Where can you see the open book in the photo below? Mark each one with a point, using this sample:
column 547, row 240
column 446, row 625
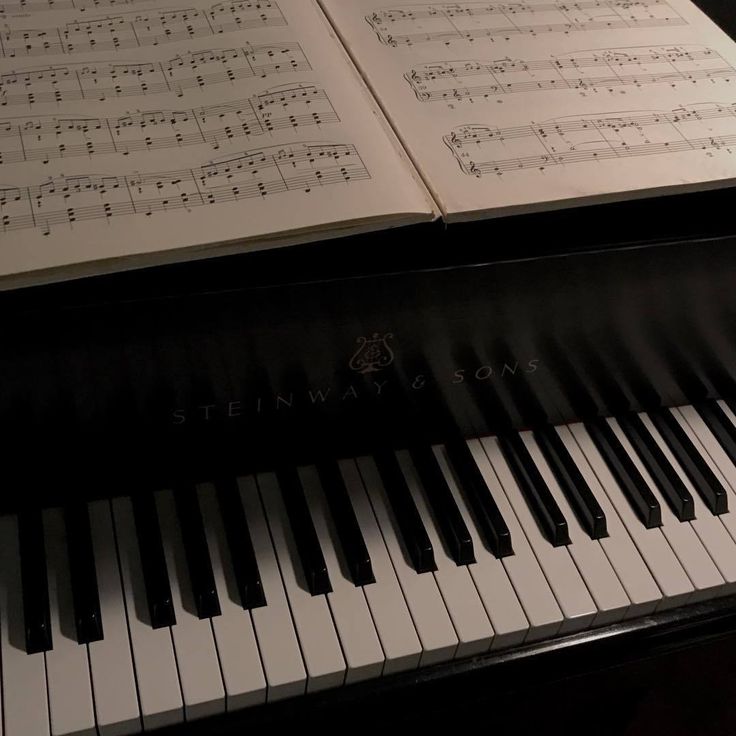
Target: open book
column 137, row 132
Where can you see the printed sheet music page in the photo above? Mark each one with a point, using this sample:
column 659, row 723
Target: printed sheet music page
column 519, row 105
column 141, row 131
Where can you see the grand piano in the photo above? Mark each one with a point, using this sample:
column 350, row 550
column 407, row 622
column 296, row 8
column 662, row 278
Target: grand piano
column 448, row 475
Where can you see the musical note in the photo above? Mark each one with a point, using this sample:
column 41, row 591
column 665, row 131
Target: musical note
column 449, row 23
column 66, row 200
column 46, row 138
column 134, row 30
column 610, row 69
column 110, row 80
column 481, row 150
column 38, row 6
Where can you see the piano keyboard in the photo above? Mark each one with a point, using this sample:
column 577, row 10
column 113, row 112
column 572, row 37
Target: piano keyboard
column 127, row 615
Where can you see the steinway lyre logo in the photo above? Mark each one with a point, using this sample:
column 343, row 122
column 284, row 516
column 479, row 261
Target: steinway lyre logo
column 373, row 354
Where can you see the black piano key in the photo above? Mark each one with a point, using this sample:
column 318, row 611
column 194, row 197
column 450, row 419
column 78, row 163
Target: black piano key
column 196, row 551
column 305, row 537
column 411, row 528
column 153, row 561
column 633, row 486
column 83, row 574
column 720, row 425
column 664, row 475
column 696, row 468
column 535, row 491
column 34, row 582
column 346, row 524
column 491, row 524
column 446, row 513
column 242, row 554
column 584, row 504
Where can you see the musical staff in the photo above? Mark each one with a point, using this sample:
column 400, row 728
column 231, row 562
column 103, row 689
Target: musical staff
column 135, row 30
column 481, row 150
column 66, row 200
column 449, row 23
column 608, row 69
column 38, row 6
column 46, row 138
column 176, row 76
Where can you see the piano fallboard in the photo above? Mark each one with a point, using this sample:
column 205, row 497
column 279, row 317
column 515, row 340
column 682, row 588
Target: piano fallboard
column 198, row 381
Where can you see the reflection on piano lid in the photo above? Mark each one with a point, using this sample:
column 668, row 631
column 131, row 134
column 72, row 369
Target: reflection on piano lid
column 313, row 628
column 249, row 366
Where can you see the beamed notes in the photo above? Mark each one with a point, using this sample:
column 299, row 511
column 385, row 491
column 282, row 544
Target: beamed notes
column 47, row 138
column 612, row 70
column 175, row 77
column 65, row 200
column 81, row 6
column 166, row 129
column 450, row 23
column 482, row 150
column 513, row 106
column 137, row 130
column 132, row 29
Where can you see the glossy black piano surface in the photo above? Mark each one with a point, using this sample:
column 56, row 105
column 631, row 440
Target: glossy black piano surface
column 230, row 355
column 121, row 385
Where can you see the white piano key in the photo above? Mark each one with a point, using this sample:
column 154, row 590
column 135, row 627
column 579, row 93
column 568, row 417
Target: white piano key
column 710, row 529
column 472, row 626
column 277, row 640
column 111, row 662
column 685, row 543
column 317, row 636
column 540, row 606
column 71, row 707
column 355, row 628
column 428, row 610
column 394, row 626
column 237, row 648
column 595, row 568
column 157, row 676
column 727, row 411
column 627, row 562
column 713, row 454
column 666, row 569
column 502, row 605
column 572, row 595
column 194, row 644
column 24, row 693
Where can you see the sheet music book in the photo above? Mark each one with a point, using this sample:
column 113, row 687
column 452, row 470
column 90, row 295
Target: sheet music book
column 136, row 132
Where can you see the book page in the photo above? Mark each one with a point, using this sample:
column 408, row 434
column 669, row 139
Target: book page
column 136, row 131
column 524, row 105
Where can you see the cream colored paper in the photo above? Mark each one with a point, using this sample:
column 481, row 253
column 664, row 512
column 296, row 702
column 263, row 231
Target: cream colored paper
column 136, row 131
column 518, row 106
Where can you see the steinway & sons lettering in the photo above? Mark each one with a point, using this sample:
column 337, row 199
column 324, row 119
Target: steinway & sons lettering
column 337, row 394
